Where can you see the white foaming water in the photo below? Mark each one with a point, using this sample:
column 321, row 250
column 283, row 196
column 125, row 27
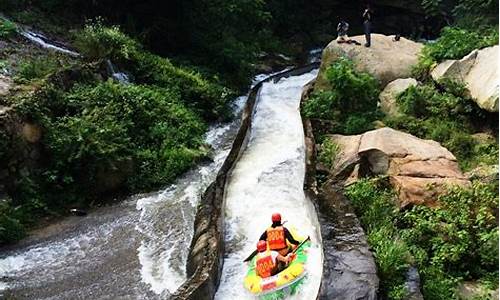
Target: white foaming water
column 165, row 245
column 57, row 254
column 118, row 76
column 44, row 42
column 269, row 178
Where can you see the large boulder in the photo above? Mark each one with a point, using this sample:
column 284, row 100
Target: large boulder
column 479, row 72
column 386, row 59
column 419, row 170
column 389, row 95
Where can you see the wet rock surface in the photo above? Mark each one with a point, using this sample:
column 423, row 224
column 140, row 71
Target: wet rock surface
column 413, row 285
column 349, row 268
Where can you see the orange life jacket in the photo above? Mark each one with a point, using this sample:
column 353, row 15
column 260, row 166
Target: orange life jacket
column 276, row 238
column 264, row 264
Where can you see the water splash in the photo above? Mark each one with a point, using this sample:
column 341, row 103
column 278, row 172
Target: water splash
column 269, row 177
column 45, row 42
column 118, row 76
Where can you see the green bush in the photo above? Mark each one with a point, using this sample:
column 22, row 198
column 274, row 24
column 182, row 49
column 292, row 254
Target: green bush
column 37, row 67
column 207, row 97
column 11, row 228
column 466, row 13
column 454, row 43
column 352, row 101
column 448, row 117
column 455, row 241
column 115, row 123
column 7, row 28
column 97, row 41
column 328, row 152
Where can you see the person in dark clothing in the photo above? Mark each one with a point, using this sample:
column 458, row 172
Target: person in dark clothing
column 367, row 24
column 342, row 37
column 277, row 236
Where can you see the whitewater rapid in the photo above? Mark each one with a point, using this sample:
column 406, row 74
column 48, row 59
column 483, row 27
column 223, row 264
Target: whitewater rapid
column 269, row 178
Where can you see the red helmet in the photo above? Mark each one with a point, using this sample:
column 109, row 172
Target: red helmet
column 261, row 246
column 276, row 217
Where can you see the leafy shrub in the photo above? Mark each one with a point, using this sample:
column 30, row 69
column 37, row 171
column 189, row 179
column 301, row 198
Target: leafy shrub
column 454, row 43
column 328, row 152
column 456, row 241
column 11, row 228
column 352, row 101
column 114, row 123
column 97, row 41
column 447, row 117
column 467, row 13
column 37, row 67
column 374, row 204
column 7, row 28
column 207, row 97
column 426, row 102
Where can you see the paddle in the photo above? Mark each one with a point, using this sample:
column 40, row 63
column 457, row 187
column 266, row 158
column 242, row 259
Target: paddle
column 295, row 250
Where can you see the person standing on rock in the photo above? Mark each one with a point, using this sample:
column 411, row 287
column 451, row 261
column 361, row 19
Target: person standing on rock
column 367, row 24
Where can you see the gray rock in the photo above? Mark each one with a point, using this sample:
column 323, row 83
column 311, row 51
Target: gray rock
column 385, row 59
column 479, row 72
column 349, row 270
column 388, row 97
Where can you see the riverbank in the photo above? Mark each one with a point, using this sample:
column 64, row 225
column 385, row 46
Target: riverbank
column 400, row 185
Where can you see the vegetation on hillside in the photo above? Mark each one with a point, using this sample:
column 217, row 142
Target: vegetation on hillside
column 7, row 28
column 100, row 135
column 350, row 105
column 444, row 113
column 456, row 241
column 454, row 43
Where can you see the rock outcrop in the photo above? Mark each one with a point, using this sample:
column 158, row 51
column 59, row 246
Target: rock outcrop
column 479, row 72
column 386, row 59
column 5, row 85
column 389, row 95
column 419, row 170
column 349, row 270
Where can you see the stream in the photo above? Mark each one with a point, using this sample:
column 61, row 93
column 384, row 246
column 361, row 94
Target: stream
column 136, row 249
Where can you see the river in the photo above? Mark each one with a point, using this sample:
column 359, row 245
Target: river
column 135, row 249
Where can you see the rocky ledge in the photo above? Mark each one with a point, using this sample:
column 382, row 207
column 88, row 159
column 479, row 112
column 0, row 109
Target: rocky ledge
column 418, row 169
column 386, row 59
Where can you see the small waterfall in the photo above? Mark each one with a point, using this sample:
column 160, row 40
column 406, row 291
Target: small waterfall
column 315, row 55
column 118, row 76
column 45, row 42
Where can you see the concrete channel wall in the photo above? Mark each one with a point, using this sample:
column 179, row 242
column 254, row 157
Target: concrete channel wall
column 205, row 260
